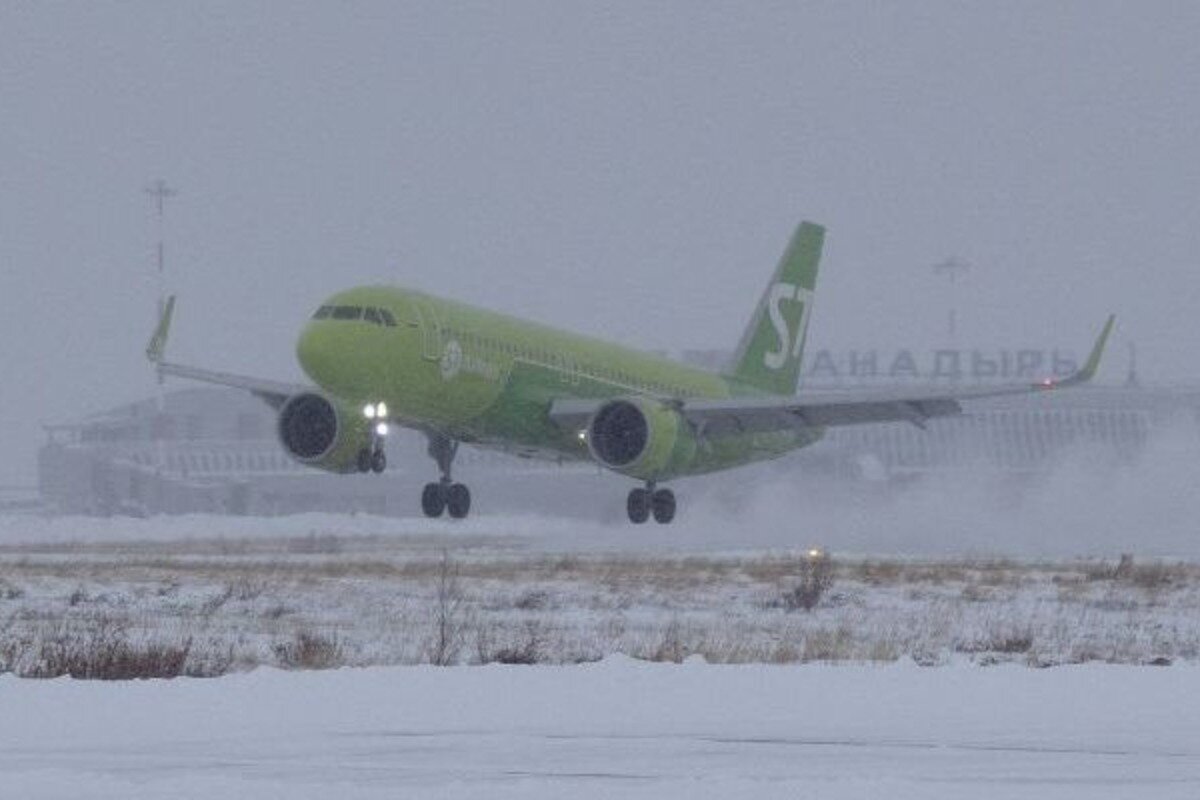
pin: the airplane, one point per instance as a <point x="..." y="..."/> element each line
<point x="382" y="356"/>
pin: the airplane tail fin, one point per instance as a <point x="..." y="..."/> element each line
<point x="769" y="354"/>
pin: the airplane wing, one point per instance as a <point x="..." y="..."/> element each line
<point x="274" y="393"/>
<point x="825" y="409"/>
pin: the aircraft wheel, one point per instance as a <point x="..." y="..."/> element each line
<point x="638" y="506"/>
<point x="433" y="500"/>
<point x="458" y="500"/>
<point x="364" y="460"/>
<point x="662" y="502"/>
<point x="378" y="461"/>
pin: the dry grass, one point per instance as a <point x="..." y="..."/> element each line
<point x="323" y="601"/>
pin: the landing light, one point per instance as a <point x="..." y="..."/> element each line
<point x="381" y="410"/>
<point x="583" y="435"/>
<point x="369" y="411"/>
<point x="816" y="554"/>
<point x="382" y="429"/>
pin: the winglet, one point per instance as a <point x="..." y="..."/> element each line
<point x="1088" y="370"/>
<point x="158" y="342"/>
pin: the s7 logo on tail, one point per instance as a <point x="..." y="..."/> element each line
<point x="789" y="341"/>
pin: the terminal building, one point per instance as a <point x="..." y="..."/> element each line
<point x="206" y="450"/>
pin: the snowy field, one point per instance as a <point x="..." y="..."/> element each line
<point x="327" y="591"/>
<point x="649" y="662"/>
<point x="617" y="728"/>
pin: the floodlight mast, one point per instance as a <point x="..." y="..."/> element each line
<point x="161" y="192"/>
<point x="951" y="269"/>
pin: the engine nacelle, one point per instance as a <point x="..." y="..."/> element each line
<point x="641" y="438"/>
<point x="321" y="433"/>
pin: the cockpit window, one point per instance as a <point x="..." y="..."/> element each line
<point x="376" y="316"/>
<point x="347" y="312"/>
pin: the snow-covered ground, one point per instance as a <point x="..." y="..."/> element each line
<point x="844" y="710"/>
<point x="618" y="728"/>
<point x="327" y="591"/>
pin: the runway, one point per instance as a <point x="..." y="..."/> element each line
<point x="618" y="728"/>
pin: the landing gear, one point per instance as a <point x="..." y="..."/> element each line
<point x="641" y="503"/>
<point x="458" y="500"/>
<point x="371" y="459"/>
<point x="445" y="495"/>
<point x="433" y="500"/>
<point x="662" y="503"/>
<point x="453" y="498"/>
<point x="638" y="505"/>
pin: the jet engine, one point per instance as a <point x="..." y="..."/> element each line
<point x="641" y="438"/>
<point x="322" y="433"/>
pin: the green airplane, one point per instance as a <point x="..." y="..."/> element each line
<point x="382" y="356"/>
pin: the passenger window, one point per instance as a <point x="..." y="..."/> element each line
<point x="387" y="318"/>
<point x="371" y="315"/>
<point x="347" y="312"/>
<point x="323" y="312"/>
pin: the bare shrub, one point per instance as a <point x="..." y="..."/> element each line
<point x="309" y="650"/>
<point x="485" y="644"/>
<point x="816" y="576"/>
<point x="245" y="590"/>
<point x="671" y="647"/>
<point x="209" y="662"/>
<point x="527" y="650"/>
<point x="532" y="600"/>
<point x="825" y="644"/>
<point x="277" y="611"/>
<point x="215" y="603"/>
<point x="1124" y="568"/>
<point x="1156" y="575"/>
<point x="976" y="593"/>
<point x="102" y="649"/>
<point x="1153" y="575"/>
<point x="1001" y="641"/>
<point x="879" y="573"/>
<point x="448" y="615"/>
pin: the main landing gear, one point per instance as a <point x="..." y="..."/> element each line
<point x="445" y="495"/>
<point x="644" y="502"/>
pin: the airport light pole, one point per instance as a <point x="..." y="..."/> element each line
<point x="161" y="192"/>
<point x="952" y="268"/>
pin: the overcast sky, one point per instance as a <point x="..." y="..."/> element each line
<point x="631" y="171"/>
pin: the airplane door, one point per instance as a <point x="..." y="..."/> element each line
<point x="431" y="331"/>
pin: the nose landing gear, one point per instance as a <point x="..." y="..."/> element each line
<point x="642" y="503"/>
<point x="372" y="458"/>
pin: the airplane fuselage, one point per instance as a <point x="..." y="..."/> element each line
<point x="488" y="379"/>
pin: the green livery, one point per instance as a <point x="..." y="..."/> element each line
<point x="382" y="356"/>
<point x="772" y="347"/>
